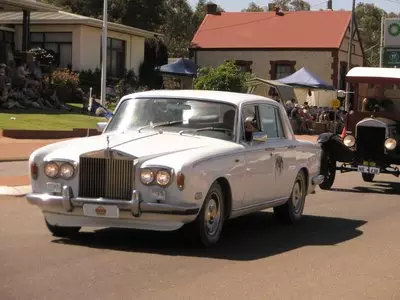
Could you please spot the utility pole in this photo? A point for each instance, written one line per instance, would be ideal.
(381, 46)
(350, 52)
(104, 55)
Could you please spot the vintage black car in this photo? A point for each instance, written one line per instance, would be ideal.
(370, 141)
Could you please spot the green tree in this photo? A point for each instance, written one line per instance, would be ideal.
(226, 77)
(177, 30)
(292, 5)
(253, 7)
(200, 12)
(368, 18)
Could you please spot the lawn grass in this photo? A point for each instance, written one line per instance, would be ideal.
(47, 121)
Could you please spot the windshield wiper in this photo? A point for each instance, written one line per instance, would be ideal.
(206, 129)
(161, 124)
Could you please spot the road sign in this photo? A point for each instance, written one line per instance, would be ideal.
(335, 103)
(391, 57)
(392, 32)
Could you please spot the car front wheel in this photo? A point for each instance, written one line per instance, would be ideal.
(292, 210)
(210, 220)
(328, 169)
(60, 231)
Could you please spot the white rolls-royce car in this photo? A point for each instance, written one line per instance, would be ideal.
(170, 158)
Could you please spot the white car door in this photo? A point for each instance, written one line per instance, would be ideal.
(283, 150)
(259, 174)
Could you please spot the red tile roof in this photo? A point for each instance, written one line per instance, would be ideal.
(301, 29)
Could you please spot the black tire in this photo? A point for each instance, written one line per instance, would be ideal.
(59, 231)
(328, 169)
(292, 211)
(209, 223)
(368, 177)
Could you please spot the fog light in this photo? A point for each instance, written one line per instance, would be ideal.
(349, 141)
(390, 144)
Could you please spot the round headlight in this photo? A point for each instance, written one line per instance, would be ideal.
(349, 141)
(390, 144)
(146, 176)
(66, 171)
(163, 177)
(51, 170)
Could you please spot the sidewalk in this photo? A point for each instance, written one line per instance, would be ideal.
(17, 150)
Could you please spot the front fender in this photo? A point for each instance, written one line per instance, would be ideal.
(332, 144)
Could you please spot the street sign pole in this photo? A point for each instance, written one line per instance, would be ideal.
(350, 50)
(381, 47)
(104, 56)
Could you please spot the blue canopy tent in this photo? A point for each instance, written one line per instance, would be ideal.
(305, 79)
(180, 67)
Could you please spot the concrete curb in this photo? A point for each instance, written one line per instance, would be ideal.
(17, 191)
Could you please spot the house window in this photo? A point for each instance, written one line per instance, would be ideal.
(116, 51)
(244, 65)
(342, 74)
(59, 42)
(281, 69)
(7, 37)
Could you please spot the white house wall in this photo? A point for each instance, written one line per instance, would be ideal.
(86, 45)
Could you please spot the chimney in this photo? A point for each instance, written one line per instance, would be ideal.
(212, 9)
(329, 5)
(278, 11)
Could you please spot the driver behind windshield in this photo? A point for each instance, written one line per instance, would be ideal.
(378, 102)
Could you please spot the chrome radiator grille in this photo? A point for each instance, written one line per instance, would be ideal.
(107, 178)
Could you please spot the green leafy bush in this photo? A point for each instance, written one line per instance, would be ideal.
(226, 77)
(63, 78)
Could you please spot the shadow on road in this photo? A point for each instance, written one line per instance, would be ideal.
(376, 187)
(248, 238)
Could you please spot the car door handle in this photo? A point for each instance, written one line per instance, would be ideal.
(269, 149)
(291, 147)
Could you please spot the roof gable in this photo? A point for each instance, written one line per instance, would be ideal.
(300, 29)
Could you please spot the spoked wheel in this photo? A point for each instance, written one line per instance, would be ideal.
(209, 223)
(60, 231)
(292, 210)
(368, 177)
(328, 169)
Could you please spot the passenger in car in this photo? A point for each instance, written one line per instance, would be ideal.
(250, 126)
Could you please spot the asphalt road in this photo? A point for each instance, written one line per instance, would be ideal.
(346, 247)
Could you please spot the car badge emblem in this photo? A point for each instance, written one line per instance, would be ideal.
(101, 211)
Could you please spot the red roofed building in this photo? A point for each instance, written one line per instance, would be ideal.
(276, 44)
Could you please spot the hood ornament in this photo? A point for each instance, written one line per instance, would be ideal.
(108, 142)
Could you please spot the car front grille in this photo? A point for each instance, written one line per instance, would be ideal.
(370, 142)
(107, 178)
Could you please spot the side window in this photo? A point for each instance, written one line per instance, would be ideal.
(270, 121)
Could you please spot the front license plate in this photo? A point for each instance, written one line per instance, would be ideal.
(101, 211)
(368, 170)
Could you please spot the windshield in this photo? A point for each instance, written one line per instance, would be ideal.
(209, 118)
(378, 97)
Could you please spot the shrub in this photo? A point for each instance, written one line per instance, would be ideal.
(226, 77)
(63, 78)
(90, 79)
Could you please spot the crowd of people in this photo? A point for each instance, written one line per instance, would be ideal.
(304, 116)
(23, 86)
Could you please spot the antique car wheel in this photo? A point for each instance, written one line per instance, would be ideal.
(368, 177)
(211, 218)
(62, 231)
(292, 210)
(328, 169)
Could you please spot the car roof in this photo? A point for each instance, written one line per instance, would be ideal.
(226, 97)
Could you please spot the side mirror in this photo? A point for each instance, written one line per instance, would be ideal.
(341, 94)
(351, 112)
(260, 137)
(100, 126)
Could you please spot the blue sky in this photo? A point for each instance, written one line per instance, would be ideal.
(237, 5)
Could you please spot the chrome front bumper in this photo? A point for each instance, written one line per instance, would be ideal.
(133, 210)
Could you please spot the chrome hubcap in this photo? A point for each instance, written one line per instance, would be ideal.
(212, 215)
(297, 197)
